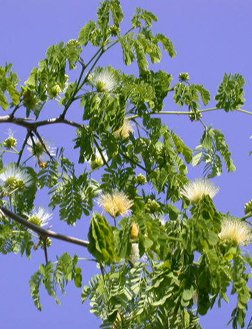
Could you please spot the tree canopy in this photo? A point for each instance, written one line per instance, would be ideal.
(165, 253)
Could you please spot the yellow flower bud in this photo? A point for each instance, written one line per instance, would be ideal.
(134, 232)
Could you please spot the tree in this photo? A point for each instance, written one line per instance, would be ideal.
(165, 257)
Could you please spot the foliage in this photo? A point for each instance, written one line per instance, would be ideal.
(163, 263)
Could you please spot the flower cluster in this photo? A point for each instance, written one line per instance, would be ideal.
(236, 231)
(125, 130)
(37, 149)
(103, 79)
(39, 217)
(115, 204)
(195, 190)
(97, 160)
(10, 141)
(248, 207)
(14, 178)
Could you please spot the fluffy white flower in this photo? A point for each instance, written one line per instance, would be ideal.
(195, 190)
(10, 141)
(39, 217)
(14, 177)
(236, 231)
(115, 204)
(125, 130)
(98, 160)
(103, 79)
(37, 149)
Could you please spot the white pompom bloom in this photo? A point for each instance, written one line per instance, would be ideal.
(115, 204)
(10, 141)
(195, 190)
(125, 130)
(103, 79)
(97, 160)
(235, 230)
(37, 149)
(14, 177)
(39, 217)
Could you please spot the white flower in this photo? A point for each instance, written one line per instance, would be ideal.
(236, 231)
(195, 190)
(116, 204)
(125, 130)
(14, 177)
(39, 217)
(103, 79)
(98, 160)
(10, 141)
(37, 149)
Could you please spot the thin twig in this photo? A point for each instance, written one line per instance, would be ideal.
(75, 91)
(15, 110)
(43, 144)
(45, 250)
(23, 146)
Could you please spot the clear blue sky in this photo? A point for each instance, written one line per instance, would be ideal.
(211, 37)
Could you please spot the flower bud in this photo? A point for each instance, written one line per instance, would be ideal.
(184, 76)
(134, 232)
(10, 142)
(248, 207)
(96, 163)
(54, 91)
(141, 179)
(152, 206)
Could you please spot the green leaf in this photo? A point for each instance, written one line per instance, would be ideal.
(182, 148)
(35, 282)
(167, 44)
(73, 51)
(205, 95)
(230, 96)
(66, 270)
(3, 101)
(74, 196)
(190, 95)
(101, 240)
(127, 44)
(86, 33)
(141, 56)
(143, 15)
(212, 149)
(117, 12)
(8, 84)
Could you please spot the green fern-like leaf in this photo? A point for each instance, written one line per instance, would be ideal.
(230, 94)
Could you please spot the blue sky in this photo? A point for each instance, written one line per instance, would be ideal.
(211, 37)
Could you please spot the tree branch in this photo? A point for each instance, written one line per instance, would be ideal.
(41, 231)
(26, 122)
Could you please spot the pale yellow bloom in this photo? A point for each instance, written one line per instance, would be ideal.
(116, 203)
(236, 231)
(195, 190)
(125, 130)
